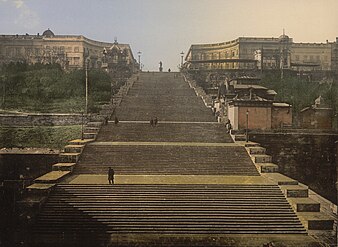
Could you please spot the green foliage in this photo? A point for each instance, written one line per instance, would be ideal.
(300, 92)
(48, 88)
(38, 137)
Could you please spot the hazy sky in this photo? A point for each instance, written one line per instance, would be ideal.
(161, 30)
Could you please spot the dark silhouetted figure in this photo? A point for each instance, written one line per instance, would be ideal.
(151, 122)
(161, 68)
(155, 121)
(169, 70)
(111, 175)
(105, 120)
(116, 120)
(228, 126)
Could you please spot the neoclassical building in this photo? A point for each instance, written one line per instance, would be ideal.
(71, 51)
(269, 53)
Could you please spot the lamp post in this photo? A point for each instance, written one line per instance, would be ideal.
(139, 60)
(182, 54)
(247, 126)
(82, 130)
(86, 65)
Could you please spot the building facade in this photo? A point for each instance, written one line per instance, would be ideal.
(266, 53)
(70, 51)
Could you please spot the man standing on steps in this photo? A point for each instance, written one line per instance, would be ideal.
(155, 121)
(111, 175)
(116, 121)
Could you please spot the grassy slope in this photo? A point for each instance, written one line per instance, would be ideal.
(38, 137)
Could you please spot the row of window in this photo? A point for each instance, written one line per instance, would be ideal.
(15, 51)
(310, 58)
(220, 55)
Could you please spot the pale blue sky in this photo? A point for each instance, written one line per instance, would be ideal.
(162, 29)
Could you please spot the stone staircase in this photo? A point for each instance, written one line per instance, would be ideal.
(166, 159)
(164, 132)
(168, 99)
(81, 213)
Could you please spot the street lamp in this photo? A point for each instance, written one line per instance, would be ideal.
(247, 126)
(182, 54)
(82, 124)
(139, 60)
(86, 65)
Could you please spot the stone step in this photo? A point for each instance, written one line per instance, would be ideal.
(316, 220)
(69, 157)
(267, 167)
(91, 130)
(256, 150)
(64, 167)
(52, 177)
(280, 179)
(89, 135)
(240, 137)
(304, 205)
(251, 144)
(261, 158)
(40, 188)
(74, 148)
(94, 124)
(295, 190)
(80, 141)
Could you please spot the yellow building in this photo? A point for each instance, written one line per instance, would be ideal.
(269, 53)
(70, 51)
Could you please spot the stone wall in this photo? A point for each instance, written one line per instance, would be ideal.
(43, 119)
(307, 157)
(29, 165)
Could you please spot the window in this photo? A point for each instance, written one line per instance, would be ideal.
(297, 57)
(17, 51)
(305, 57)
(76, 60)
(76, 49)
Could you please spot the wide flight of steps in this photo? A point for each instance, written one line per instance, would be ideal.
(96, 213)
(166, 159)
(164, 97)
(164, 132)
(159, 214)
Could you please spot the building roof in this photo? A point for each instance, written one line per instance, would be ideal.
(271, 92)
(281, 104)
(48, 33)
(316, 109)
(245, 86)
